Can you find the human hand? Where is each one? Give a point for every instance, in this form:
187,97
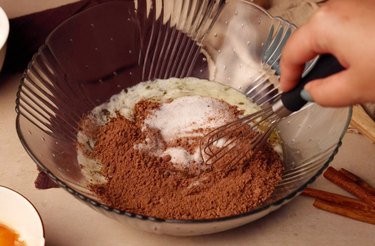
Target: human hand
345,29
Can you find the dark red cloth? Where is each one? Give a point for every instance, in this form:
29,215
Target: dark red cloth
28,33
42,181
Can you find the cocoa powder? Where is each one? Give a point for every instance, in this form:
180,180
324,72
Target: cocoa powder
143,183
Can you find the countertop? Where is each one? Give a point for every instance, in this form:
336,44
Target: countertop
68,221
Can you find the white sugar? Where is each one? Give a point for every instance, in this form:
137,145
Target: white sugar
181,157
188,116
184,116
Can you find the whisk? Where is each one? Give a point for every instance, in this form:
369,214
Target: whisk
238,140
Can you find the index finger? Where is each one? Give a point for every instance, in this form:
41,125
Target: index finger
303,45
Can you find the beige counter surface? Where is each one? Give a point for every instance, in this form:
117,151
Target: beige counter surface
68,221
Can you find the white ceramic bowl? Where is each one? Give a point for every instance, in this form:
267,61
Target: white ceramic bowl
4,32
20,215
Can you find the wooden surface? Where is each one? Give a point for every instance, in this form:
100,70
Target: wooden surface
363,123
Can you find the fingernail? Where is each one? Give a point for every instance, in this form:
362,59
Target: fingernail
306,95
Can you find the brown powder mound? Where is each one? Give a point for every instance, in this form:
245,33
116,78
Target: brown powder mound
142,183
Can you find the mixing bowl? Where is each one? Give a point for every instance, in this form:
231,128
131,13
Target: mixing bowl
118,44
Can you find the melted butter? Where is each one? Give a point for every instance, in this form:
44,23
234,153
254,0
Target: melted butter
166,89
9,237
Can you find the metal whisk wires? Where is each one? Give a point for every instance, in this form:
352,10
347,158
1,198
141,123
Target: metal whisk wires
232,143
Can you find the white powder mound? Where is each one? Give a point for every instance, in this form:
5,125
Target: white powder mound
185,115
180,157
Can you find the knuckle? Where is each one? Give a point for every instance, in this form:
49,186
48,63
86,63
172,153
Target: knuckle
322,14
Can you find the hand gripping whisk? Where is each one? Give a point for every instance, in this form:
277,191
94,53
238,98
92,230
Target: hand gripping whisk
238,140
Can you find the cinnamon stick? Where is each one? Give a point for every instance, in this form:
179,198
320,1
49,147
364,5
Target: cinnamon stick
364,216
359,181
347,184
338,199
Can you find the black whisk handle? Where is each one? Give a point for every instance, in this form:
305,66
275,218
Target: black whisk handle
324,67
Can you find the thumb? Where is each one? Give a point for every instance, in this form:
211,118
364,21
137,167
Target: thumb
333,91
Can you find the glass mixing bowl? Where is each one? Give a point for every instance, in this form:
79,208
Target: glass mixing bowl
118,44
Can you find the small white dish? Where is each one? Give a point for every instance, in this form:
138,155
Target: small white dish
4,32
17,213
